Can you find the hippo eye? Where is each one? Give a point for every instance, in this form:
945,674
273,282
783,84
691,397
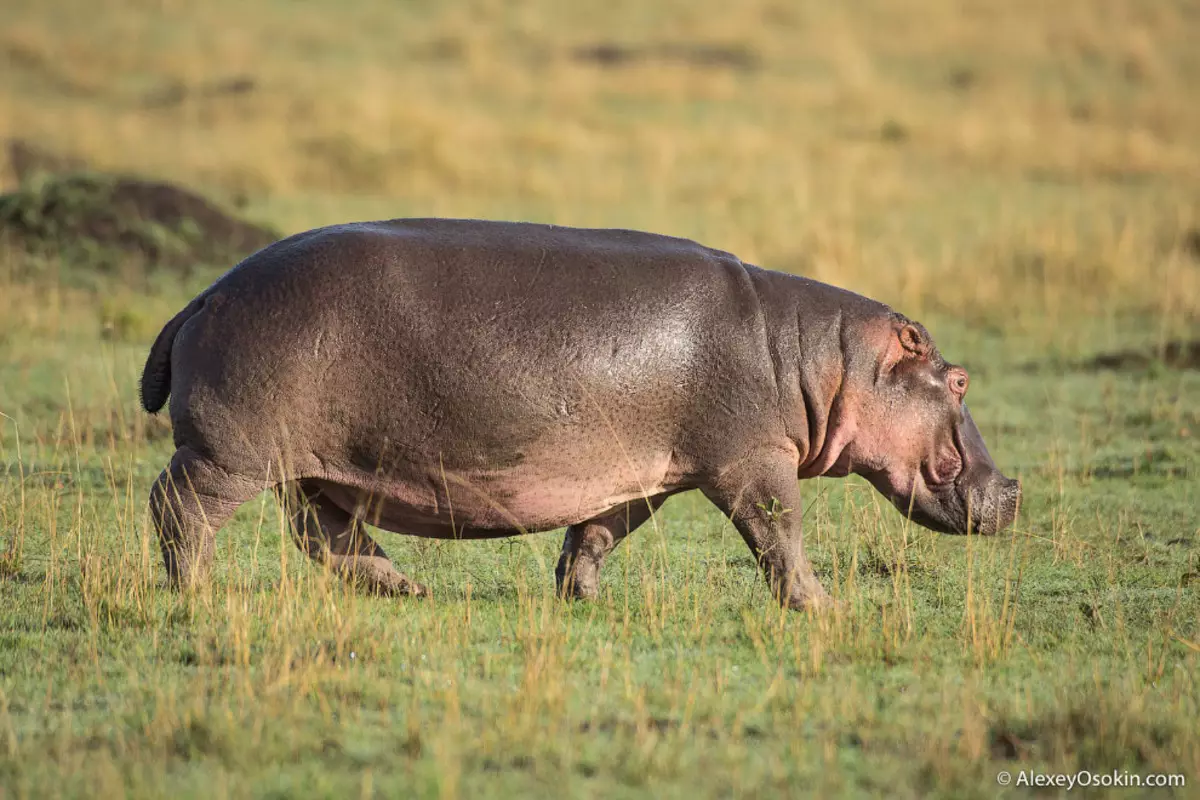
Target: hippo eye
958,381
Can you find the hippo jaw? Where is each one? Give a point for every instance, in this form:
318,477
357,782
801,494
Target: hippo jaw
979,499
985,509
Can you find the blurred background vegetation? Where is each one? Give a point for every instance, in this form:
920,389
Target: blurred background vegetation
1005,162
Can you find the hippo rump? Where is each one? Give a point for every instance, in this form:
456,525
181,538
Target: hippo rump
464,379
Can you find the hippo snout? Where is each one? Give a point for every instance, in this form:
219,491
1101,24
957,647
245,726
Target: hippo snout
994,506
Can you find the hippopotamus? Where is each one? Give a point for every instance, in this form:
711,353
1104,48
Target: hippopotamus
467,379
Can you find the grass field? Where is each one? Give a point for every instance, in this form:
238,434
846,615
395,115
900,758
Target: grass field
1022,176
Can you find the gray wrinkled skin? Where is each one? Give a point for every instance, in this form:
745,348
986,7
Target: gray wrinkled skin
468,379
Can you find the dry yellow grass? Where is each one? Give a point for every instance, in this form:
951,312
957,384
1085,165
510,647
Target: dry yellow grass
1013,164
489,88
881,147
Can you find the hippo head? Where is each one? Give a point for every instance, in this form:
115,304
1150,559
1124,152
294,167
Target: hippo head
915,441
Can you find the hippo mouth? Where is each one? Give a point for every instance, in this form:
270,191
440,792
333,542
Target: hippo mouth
971,503
954,493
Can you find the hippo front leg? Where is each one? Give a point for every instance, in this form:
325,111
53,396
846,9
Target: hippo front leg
765,507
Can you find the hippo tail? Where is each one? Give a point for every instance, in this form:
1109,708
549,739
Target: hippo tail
156,375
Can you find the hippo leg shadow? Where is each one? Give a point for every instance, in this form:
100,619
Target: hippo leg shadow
588,543
333,537
190,501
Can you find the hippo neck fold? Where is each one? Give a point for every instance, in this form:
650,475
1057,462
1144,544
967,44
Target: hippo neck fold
811,332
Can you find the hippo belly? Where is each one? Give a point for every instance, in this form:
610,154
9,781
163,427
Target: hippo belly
497,503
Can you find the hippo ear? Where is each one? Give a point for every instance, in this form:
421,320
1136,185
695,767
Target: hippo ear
907,342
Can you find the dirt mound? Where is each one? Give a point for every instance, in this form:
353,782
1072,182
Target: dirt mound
98,220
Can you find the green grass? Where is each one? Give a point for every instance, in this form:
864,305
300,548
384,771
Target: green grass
1020,176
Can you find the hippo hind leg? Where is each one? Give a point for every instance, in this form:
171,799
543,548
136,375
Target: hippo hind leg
190,501
330,535
588,543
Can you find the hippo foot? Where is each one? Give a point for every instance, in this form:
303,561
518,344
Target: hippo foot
817,604
412,589
390,585
808,595
572,588
577,577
